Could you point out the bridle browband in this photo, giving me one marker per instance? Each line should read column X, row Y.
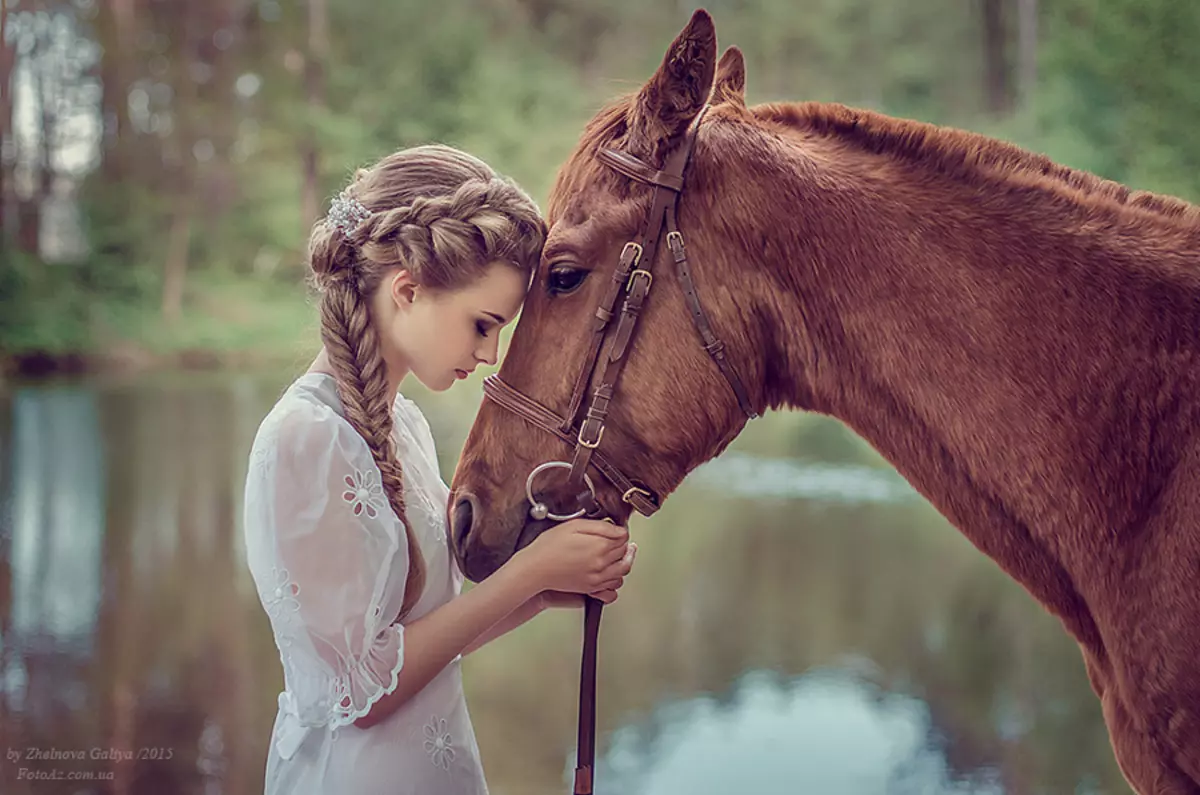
column 633, row 279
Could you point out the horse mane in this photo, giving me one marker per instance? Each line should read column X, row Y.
column 581, row 165
column 968, row 156
column 964, row 155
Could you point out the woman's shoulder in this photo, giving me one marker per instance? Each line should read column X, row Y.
column 307, row 399
column 310, row 413
column 306, row 415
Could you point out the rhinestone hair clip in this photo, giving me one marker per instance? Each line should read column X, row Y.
column 346, row 213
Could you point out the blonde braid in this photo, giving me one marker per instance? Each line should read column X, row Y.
column 440, row 237
column 353, row 348
column 444, row 216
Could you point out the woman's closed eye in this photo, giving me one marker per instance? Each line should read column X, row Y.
column 491, row 320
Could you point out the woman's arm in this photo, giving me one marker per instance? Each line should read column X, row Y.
column 537, row 605
column 435, row 639
column 581, row 556
column 527, row 610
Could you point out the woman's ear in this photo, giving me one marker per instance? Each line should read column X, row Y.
column 402, row 289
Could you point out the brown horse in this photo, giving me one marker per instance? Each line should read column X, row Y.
column 1020, row 340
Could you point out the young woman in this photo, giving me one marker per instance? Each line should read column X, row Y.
column 420, row 262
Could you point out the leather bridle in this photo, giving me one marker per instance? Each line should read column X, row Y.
column 632, row 278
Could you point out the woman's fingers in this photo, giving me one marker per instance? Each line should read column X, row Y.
column 611, row 584
column 619, row 565
column 617, row 571
column 603, row 529
column 613, row 575
column 607, row 596
column 612, row 556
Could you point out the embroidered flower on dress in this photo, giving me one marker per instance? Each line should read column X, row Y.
column 420, row 505
column 260, row 456
column 438, row 744
column 363, row 493
column 264, row 451
column 281, row 601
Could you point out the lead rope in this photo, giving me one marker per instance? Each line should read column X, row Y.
column 669, row 184
column 585, row 755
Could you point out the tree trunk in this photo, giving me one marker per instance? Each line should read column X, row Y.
column 114, row 25
column 185, row 178
column 7, row 62
column 1027, row 47
column 220, row 187
column 178, row 242
column 997, row 84
column 29, row 207
column 314, row 85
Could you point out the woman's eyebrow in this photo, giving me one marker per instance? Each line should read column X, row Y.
column 495, row 317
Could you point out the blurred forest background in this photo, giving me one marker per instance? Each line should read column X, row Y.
column 161, row 163
column 162, row 160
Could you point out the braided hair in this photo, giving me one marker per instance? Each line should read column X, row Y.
column 444, row 216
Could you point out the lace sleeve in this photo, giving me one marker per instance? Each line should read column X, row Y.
column 338, row 565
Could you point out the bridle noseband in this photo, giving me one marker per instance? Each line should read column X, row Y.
column 632, row 278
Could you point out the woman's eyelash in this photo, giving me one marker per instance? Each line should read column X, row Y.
column 483, row 332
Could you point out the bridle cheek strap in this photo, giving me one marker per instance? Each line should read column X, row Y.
column 632, row 279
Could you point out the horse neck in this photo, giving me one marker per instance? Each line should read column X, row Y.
column 1028, row 378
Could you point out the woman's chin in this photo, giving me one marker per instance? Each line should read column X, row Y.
column 440, row 383
column 440, row 386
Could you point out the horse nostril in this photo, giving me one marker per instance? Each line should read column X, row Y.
column 460, row 522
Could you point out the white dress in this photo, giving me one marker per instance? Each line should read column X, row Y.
column 329, row 559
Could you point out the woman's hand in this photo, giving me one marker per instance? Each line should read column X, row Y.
column 582, row 556
column 562, row 599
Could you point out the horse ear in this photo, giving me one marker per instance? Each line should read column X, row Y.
column 673, row 97
column 730, row 83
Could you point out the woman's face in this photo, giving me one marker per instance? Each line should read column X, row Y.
column 440, row 336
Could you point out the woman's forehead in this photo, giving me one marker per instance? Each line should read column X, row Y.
column 499, row 287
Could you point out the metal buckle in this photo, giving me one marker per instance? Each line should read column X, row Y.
column 631, row 490
column 636, row 271
column 637, row 253
column 675, row 243
column 587, row 444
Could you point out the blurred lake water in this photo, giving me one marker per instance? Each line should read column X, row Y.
column 799, row 621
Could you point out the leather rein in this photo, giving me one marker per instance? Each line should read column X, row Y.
column 632, row 279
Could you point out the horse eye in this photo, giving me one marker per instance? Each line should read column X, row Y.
column 565, row 280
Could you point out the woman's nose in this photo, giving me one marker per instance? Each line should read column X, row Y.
column 489, row 354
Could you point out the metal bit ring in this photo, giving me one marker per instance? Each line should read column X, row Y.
column 539, row 510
